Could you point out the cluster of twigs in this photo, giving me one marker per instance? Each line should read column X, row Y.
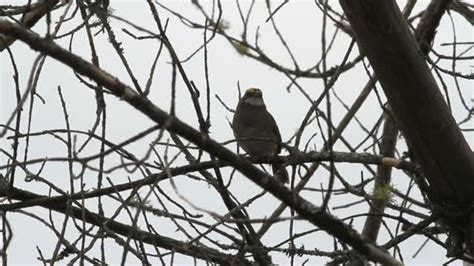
column 132, row 211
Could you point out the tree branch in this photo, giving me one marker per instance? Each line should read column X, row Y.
column 312, row 213
column 421, row 112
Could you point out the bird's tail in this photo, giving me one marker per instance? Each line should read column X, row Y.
column 280, row 173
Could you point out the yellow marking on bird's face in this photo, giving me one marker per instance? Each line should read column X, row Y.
column 253, row 92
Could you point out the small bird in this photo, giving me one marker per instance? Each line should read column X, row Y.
column 256, row 130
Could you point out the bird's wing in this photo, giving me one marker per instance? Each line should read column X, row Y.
column 275, row 132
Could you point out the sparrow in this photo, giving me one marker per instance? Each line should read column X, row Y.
column 256, row 131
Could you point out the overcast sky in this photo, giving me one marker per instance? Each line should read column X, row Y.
column 300, row 24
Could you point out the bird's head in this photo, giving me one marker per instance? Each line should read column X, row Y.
column 253, row 96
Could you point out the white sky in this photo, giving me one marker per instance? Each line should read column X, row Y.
column 299, row 22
